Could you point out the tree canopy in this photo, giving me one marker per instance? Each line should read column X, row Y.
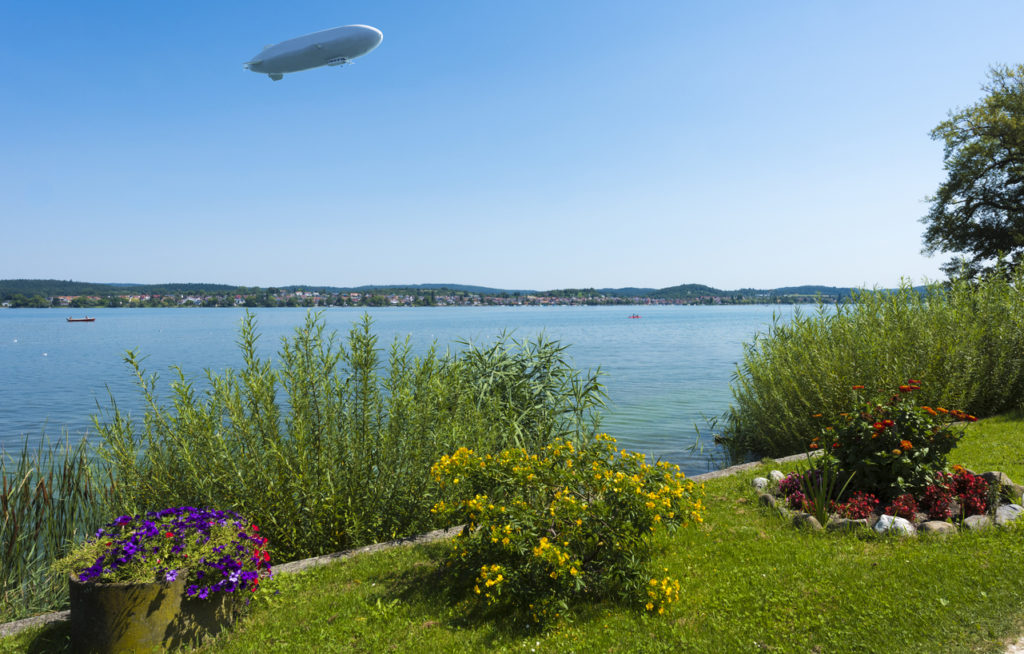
column 978, row 211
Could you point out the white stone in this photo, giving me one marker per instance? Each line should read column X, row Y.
column 1008, row 513
column 776, row 476
column 894, row 523
column 976, row 522
column 760, row 483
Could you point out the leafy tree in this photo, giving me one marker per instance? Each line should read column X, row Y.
column 979, row 209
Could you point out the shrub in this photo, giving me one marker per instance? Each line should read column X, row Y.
column 570, row 523
column 964, row 339
column 332, row 447
column 892, row 446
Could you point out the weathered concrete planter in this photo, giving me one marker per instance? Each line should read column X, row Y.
column 145, row 617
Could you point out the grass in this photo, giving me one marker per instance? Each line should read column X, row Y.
column 751, row 583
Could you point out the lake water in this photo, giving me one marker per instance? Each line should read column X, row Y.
column 664, row 372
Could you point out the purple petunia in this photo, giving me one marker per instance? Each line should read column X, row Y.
column 161, row 538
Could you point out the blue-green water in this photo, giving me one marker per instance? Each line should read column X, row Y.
column 664, row 372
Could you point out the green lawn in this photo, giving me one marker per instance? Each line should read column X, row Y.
column 751, row 583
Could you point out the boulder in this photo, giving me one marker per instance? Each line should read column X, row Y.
column 1007, row 513
column 1012, row 492
column 806, row 521
column 776, row 476
column 937, row 527
column 996, row 477
column 760, row 483
column 847, row 524
column 976, row 522
column 767, row 499
column 887, row 523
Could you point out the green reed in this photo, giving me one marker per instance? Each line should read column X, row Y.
column 963, row 340
column 331, row 446
column 51, row 497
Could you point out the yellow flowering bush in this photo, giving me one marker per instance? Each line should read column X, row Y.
column 569, row 523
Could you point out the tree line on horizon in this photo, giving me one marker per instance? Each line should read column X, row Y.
column 47, row 292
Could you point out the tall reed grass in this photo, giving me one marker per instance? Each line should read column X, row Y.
column 51, row 497
column 332, row 447
column 963, row 340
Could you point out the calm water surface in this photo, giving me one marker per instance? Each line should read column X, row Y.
column 663, row 372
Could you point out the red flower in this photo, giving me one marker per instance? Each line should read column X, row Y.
column 888, row 423
column 835, row 445
column 169, row 535
column 904, row 389
column 858, row 388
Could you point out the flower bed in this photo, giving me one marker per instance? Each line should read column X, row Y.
column 888, row 458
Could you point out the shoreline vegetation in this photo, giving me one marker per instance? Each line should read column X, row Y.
column 330, row 446
column 29, row 293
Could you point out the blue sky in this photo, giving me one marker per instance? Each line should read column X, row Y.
column 517, row 145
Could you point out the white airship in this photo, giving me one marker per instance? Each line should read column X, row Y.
column 334, row 47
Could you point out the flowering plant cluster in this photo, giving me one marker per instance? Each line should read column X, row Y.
column 904, row 506
column 858, row 506
column 213, row 551
column 970, row 490
column 894, row 446
column 569, row 523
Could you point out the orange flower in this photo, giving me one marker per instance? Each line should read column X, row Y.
column 816, row 415
column 897, row 452
column 906, row 444
column 858, row 388
column 930, row 410
column 813, row 446
column 941, row 410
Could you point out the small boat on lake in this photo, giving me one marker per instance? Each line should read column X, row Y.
column 86, row 319
column 634, row 316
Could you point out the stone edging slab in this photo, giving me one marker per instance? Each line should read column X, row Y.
column 293, row 567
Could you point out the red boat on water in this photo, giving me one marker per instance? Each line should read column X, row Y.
column 635, row 316
column 86, row 319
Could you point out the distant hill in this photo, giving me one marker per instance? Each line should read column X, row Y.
column 55, row 287
column 52, row 287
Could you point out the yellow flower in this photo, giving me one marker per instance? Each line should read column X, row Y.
column 650, row 606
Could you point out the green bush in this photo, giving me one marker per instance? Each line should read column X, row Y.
column 891, row 445
column 573, row 522
column 964, row 340
column 326, row 451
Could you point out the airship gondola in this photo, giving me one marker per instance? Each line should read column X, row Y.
column 333, row 47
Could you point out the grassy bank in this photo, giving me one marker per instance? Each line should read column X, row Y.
column 751, row 583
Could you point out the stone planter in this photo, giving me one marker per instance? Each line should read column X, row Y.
column 143, row 617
